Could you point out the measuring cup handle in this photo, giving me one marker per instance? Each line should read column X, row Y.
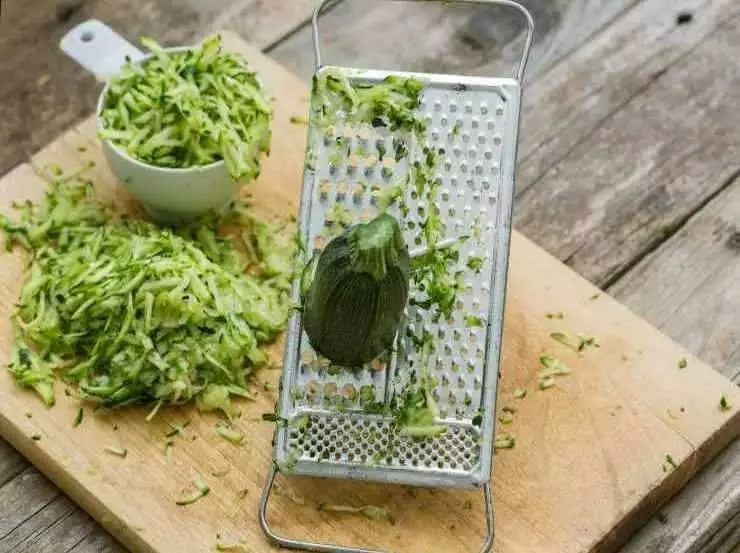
column 506, row 3
column 99, row 49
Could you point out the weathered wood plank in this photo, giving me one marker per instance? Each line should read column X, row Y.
column 99, row 541
column 689, row 286
column 704, row 517
column 22, row 497
column 452, row 38
column 62, row 535
column 44, row 93
column 647, row 167
column 56, row 512
column 12, row 463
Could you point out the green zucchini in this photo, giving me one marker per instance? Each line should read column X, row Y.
column 360, row 287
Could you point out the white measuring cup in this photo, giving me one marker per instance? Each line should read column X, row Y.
column 169, row 195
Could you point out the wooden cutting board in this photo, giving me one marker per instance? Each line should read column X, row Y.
column 589, row 464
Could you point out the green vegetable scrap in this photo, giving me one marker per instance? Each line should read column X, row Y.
column 168, row 446
column 201, row 490
column 546, row 383
column 229, row 433
column 370, row 511
column 584, row 341
column 178, row 429
column 78, row 418
column 504, row 441
column 552, row 367
column 683, row 363
column 190, row 108
column 520, row 393
column 135, row 313
column 724, row 404
column 669, row 464
column 506, row 417
column 558, row 315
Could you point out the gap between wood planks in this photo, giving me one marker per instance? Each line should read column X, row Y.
column 670, row 232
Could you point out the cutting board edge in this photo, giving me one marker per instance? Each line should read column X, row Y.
column 51, row 468
column 661, row 494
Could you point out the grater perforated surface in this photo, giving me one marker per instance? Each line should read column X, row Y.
column 473, row 124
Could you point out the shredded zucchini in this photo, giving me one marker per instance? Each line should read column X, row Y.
column 190, row 109
column 504, row 441
column 117, row 450
column 370, row 511
column 135, row 313
column 78, row 418
column 168, row 446
column 229, row 433
column 201, row 490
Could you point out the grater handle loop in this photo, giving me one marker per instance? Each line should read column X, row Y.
column 289, row 543
column 506, row 3
column 302, row 545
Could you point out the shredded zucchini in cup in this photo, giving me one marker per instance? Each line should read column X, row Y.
column 184, row 128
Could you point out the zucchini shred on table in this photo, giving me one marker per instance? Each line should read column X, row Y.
column 135, row 313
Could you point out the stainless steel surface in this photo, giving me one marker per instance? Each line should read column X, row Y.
column 475, row 120
column 506, row 3
column 473, row 123
column 291, row 543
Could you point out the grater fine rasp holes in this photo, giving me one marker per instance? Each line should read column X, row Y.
column 350, row 170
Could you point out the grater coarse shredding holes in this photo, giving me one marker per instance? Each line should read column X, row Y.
column 331, row 419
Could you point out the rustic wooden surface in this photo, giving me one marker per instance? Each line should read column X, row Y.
column 625, row 66
column 617, row 404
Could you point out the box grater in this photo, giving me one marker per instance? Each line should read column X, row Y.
column 325, row 430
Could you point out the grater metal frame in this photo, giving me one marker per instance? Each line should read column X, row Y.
column 477, row 472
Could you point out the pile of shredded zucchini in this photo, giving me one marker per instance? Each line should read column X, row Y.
column 190, row 108
column 130, row 312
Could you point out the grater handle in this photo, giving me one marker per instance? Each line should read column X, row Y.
column 302, row 545
column 506, row 3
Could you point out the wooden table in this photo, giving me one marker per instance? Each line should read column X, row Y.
column 629, row 168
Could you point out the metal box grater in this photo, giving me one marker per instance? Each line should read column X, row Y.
column 475, row 121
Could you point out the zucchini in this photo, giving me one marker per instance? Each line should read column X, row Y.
column 359, row 290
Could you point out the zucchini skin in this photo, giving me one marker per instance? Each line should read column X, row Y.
column 351, row 317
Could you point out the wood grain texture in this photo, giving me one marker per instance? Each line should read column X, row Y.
column 688, row 287
column 614, row 405
column 705, row 516
column 450, row 38
column 647, row 167
column 43, row 92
